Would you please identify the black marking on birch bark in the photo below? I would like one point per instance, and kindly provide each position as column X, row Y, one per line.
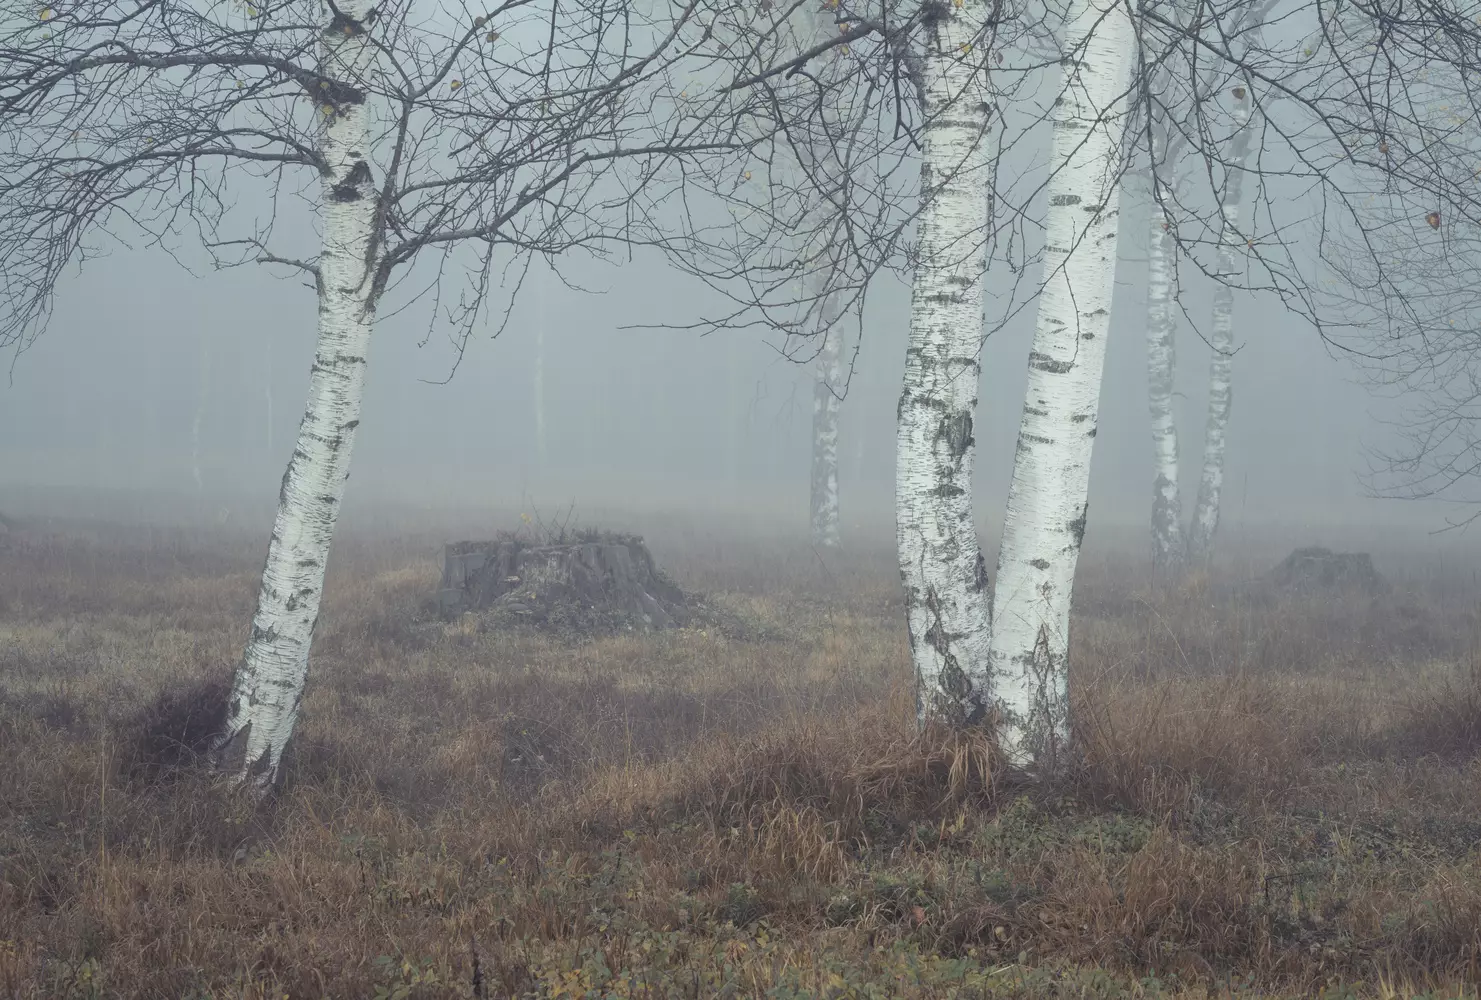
column 979, row 573
column 1065, row 199
column 1077, row 526
column 947, row 490
column 343, row 24
column 1045, row 363
column 350, row 189
column 963, row 706
column 1079, row 418
column 307, row 563
column 1039, row 564
column 1024, row 439
column 960, row 280
column 956, row 431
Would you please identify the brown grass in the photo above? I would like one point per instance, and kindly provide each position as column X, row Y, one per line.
column 1274, row 799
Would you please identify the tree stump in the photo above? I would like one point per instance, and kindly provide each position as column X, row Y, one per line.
column 595, row 582
column 1318, row 570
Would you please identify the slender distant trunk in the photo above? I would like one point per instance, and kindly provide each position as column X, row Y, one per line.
column 733, row 418
column 1221, row 340
column 828, row 375
column 1167, row 502
column 540, row 448
column 268, row 686
column 268, row 390
column 941, row 566
column 203, row 392
column 1049, row 496
column 827, row 384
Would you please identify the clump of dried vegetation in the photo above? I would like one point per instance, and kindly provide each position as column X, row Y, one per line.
column 1275, row 800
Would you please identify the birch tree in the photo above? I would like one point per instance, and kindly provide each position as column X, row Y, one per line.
column 420, row 145
column 1049, row 496
column 828, row 377
column 1221, row 339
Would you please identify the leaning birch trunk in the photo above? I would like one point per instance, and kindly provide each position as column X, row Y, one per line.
column 1167, row 501
column 268, row 686
column 1221, row 341
column 827, row 383
column 1048, row 499
column 941, row 566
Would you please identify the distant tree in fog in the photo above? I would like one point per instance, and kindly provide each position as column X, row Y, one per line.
column 1167, row 98
column 422, row 143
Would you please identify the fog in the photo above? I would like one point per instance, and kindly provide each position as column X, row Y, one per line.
column 150, row 375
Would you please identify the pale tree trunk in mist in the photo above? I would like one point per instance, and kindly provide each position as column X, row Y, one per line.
column 827, row 384
column 1049, row 496
column 203, row 392
column 1167, row 502
column 267, row 388
column 828, row 375
column 268, row 686
column 1221, row 341
column 732, row 419
column 540, row 447
column 941, row 566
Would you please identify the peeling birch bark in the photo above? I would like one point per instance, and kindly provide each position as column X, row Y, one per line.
column 268, row 686
column 1221, row 341
column 1049, row 496
column 941, row 566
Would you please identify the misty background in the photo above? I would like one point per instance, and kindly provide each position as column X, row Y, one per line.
column 149, row 374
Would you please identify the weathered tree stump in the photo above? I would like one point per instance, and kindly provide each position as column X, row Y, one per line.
column 596, row 582
column 1318, row 570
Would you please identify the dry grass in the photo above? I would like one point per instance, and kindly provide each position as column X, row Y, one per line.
column 1274, row 801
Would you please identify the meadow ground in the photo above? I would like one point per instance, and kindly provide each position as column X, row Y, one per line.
column 1278, row 798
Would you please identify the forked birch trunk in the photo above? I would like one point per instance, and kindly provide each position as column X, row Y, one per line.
column 268, row 686
column 1048, row 499
column 1167, row 503
column 941, row 566
column 1221, row 341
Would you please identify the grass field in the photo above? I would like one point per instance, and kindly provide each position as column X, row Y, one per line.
column 1277, row 799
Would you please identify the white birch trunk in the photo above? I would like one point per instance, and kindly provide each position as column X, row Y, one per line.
column 268, row 686
column 1167, row 503
column 1221, row 341
column 941, row 566
column 827, row 383
column 1048, row 499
